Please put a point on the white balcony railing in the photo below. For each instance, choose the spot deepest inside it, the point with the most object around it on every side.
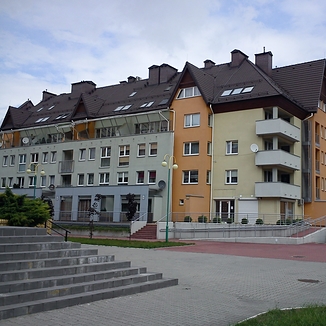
(278, 158)
(277, 189)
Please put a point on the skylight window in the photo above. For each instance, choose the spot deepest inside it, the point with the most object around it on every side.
(164, 101)
(147, 104)
(42, 119)
(132, 94)
(62, 116)
(41, 108)
(51, 107)
(168, 88)
(227, 92)
(247, 89)
(123, 107)
(237, 91)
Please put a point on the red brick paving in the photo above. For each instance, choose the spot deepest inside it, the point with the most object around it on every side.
(312, 252)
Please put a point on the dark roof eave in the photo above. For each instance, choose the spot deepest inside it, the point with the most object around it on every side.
(278, 100)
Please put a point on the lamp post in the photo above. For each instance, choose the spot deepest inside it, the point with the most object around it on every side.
(35, 169)
(168, 161)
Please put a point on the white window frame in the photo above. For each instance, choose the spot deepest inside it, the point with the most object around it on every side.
(124, 152)
(12, 159)
(22, 162)
(53, 157)
(91, 153)
(43, 181)
(123, 176)
(188, 92)
(5, 160)
(82, 154)
(189, 146)
(229, 175)
(141, 151)
(45, 157)
(153, 149)
(105, 156)
(31, 180)
(3, 182)
(188, 175)
(190, 120)
(51, 179)
(10, 182)
(149, 173)
(104, 178)
(139, 179)
(90, 179)
(34, 158)
(208, 177)
(20, 182)
(229, 147)
(80, 179)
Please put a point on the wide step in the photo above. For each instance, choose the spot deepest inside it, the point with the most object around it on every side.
(40, 273)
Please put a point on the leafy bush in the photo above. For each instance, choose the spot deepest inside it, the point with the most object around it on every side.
(187, 219)
(259, 221)
(202, 219)
(244, 221)
(22, 211)
(229, 220)
(216, 220)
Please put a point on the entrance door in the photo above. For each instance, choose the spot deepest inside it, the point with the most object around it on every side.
(225, 209)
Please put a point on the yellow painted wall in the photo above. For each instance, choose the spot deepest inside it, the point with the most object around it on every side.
(202, 162)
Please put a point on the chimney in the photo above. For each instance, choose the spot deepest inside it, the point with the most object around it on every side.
(131, 79)
(264, 61)
(237, 57)
(82, 87)
(160, 74)
(47, 95)
(209, 63)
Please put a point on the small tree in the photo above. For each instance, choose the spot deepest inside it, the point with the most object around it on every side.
(22, 211)
(132, 208)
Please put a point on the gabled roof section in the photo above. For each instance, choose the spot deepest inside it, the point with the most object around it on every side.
(303, 81)
(15, 118)
(194, 75)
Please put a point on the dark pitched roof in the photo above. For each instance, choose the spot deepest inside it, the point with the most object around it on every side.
(303, 81)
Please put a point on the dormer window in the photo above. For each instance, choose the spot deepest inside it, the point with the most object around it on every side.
(189, 92)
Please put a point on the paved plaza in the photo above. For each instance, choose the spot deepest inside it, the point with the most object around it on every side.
(216, 286)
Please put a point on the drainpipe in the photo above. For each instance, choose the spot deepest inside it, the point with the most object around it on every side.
(212, 164)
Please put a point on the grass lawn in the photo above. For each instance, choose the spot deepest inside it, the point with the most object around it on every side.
(309, 316)
(127, 243)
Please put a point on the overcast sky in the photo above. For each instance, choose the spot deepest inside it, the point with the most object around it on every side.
(49, 44)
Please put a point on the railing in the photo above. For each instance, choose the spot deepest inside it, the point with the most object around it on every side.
(65, 235)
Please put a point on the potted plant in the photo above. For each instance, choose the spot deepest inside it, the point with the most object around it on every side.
(244, 221)
(216, 220)
(187, 219)
(259, 221)
(202, 219)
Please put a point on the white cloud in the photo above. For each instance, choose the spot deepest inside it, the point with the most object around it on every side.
(51, 44)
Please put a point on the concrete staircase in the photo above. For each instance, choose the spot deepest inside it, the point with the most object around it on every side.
(40, 272)
(148, 232)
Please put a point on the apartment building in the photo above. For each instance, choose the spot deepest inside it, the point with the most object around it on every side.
(249, 140)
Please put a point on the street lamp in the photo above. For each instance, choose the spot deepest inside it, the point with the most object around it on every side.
(35, 169)
(168, 161)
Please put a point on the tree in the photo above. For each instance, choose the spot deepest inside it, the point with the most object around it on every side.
(132, 206)
(22, 211)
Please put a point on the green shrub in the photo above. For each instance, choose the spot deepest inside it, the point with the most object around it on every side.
(202, 219)
(259, 221)
(187, 219)
(244, 221)
(229, 220)
(216, 220)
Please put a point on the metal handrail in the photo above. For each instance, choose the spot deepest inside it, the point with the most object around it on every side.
(56, 231)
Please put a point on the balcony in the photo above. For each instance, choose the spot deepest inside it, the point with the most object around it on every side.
(278, 127)
(66, 166)
(278, 158)
(277, 189)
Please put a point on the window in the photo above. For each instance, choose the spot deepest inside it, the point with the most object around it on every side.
(51, 179)
(151, 176)
(239, 90)
(22, 162)
(3, 182)
(90, 179)
(209, 148)
(268, 176)
(105, 156)
(153, 149)
(20, 182)
(151, 127)
(188, 92)
(140, 177)
(53, 157)
(190, 176)
(132, 94)
(82, 154)
(80, 179)
(45, 157)
(123, 107)
(106, 132)
(104, 178)
(231, 176)
(268, 145)
(31, 181)
(191, 148)
(122, 177)
(10, 182)
(192, 120)
(43, 181)
(91, 153)
(141, 150)
(124, 151)
(208, 177)
(146, 104)
(12, 160)
(210, 120)
(232, 147)
(5, 160)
